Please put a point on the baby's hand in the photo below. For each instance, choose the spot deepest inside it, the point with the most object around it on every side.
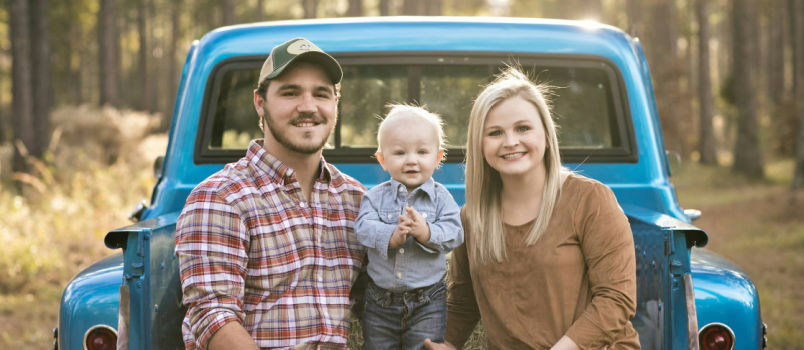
(398, 237)
(418, 225)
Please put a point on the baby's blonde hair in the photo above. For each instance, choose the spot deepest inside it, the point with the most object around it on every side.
(398, 110)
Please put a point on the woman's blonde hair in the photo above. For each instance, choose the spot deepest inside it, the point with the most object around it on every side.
(483, 183)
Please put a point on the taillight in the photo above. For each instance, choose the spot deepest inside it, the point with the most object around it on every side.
(716, 336)
(100, 338)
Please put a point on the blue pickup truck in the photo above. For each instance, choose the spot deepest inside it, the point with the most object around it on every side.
(688, 297)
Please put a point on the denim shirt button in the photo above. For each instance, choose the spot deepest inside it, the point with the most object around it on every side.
(424, 215)
(398, 275)
(401, 250)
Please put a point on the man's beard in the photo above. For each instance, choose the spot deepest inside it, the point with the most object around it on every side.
(287, 143)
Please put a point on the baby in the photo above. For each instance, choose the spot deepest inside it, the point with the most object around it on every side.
(408, 223)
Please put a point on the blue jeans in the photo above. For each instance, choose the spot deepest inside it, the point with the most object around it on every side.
(403, 320)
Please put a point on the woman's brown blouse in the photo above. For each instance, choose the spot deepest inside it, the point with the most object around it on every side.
(578, 280)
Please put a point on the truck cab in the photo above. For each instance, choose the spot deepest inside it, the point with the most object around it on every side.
(688, 297)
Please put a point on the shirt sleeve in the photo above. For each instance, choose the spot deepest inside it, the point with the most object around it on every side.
(371, 231)
(212, 248)
(446, 232)
(462, 310)
(608, 248)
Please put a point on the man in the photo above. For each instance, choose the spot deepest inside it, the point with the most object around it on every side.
(266, 246)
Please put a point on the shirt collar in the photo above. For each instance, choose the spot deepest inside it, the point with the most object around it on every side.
(427, 187)
(268, 165)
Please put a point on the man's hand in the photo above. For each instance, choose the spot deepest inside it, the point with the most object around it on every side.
(429, 345)
(399, 236)
(417, 224)
(232, 336)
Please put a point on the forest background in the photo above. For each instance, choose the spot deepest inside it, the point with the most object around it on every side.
(87, 90)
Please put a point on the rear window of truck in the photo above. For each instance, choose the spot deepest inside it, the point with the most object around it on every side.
(588, 101)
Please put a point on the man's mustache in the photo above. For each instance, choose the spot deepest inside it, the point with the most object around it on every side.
(308, 117)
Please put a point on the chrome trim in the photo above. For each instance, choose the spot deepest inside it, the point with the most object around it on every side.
(84, 342)
(764, 335)
(692, 314)
(733, 343)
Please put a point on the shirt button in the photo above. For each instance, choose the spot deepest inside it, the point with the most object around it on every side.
(398, 275)
(401, 250)
(401, 189)
(301, 204)
(390, 216)
(424, 215)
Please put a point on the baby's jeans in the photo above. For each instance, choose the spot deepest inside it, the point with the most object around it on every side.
(402, 320)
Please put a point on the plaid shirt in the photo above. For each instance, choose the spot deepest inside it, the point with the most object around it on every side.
(252, 250)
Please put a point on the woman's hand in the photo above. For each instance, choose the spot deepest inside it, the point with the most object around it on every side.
(565, 343)
(429, 345)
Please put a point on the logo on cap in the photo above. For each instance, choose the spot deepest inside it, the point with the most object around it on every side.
(301, 46)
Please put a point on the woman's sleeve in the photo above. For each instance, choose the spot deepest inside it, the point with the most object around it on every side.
(462, 310)
(608, 248)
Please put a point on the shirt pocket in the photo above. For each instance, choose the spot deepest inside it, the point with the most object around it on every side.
(389, 216)
(428, 214)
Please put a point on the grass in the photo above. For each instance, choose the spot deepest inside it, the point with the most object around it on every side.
(757, 225)
(54, 219)
(53, 226)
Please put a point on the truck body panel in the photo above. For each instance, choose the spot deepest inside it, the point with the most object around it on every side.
(635, 166)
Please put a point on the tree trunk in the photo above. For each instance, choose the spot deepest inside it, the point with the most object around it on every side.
(662, 53)
(228, 12)
(412, 7)
(310, 8)
(433, 7)
(142, 30)
(41, 89)
(259, 11)
(792, 5)
(634, 11)
(172, 62)
(355, 8)
(108, 54)
(69, 87)
(4, 124)
(776, 41)
(782, 118)
(385, 7)
(797, 8)
(707, 145)
(22, 72)
(82, 57)
(747, 154)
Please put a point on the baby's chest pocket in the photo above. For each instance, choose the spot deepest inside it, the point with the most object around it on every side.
(429, 215)
(389, 216)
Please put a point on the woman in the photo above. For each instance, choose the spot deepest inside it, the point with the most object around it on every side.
(548, 260)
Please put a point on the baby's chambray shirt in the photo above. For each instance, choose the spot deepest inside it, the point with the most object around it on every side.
(411, 265)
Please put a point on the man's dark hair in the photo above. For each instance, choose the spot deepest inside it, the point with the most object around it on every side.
(262, 87)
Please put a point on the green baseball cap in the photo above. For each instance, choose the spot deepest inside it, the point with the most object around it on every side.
(294, 50)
